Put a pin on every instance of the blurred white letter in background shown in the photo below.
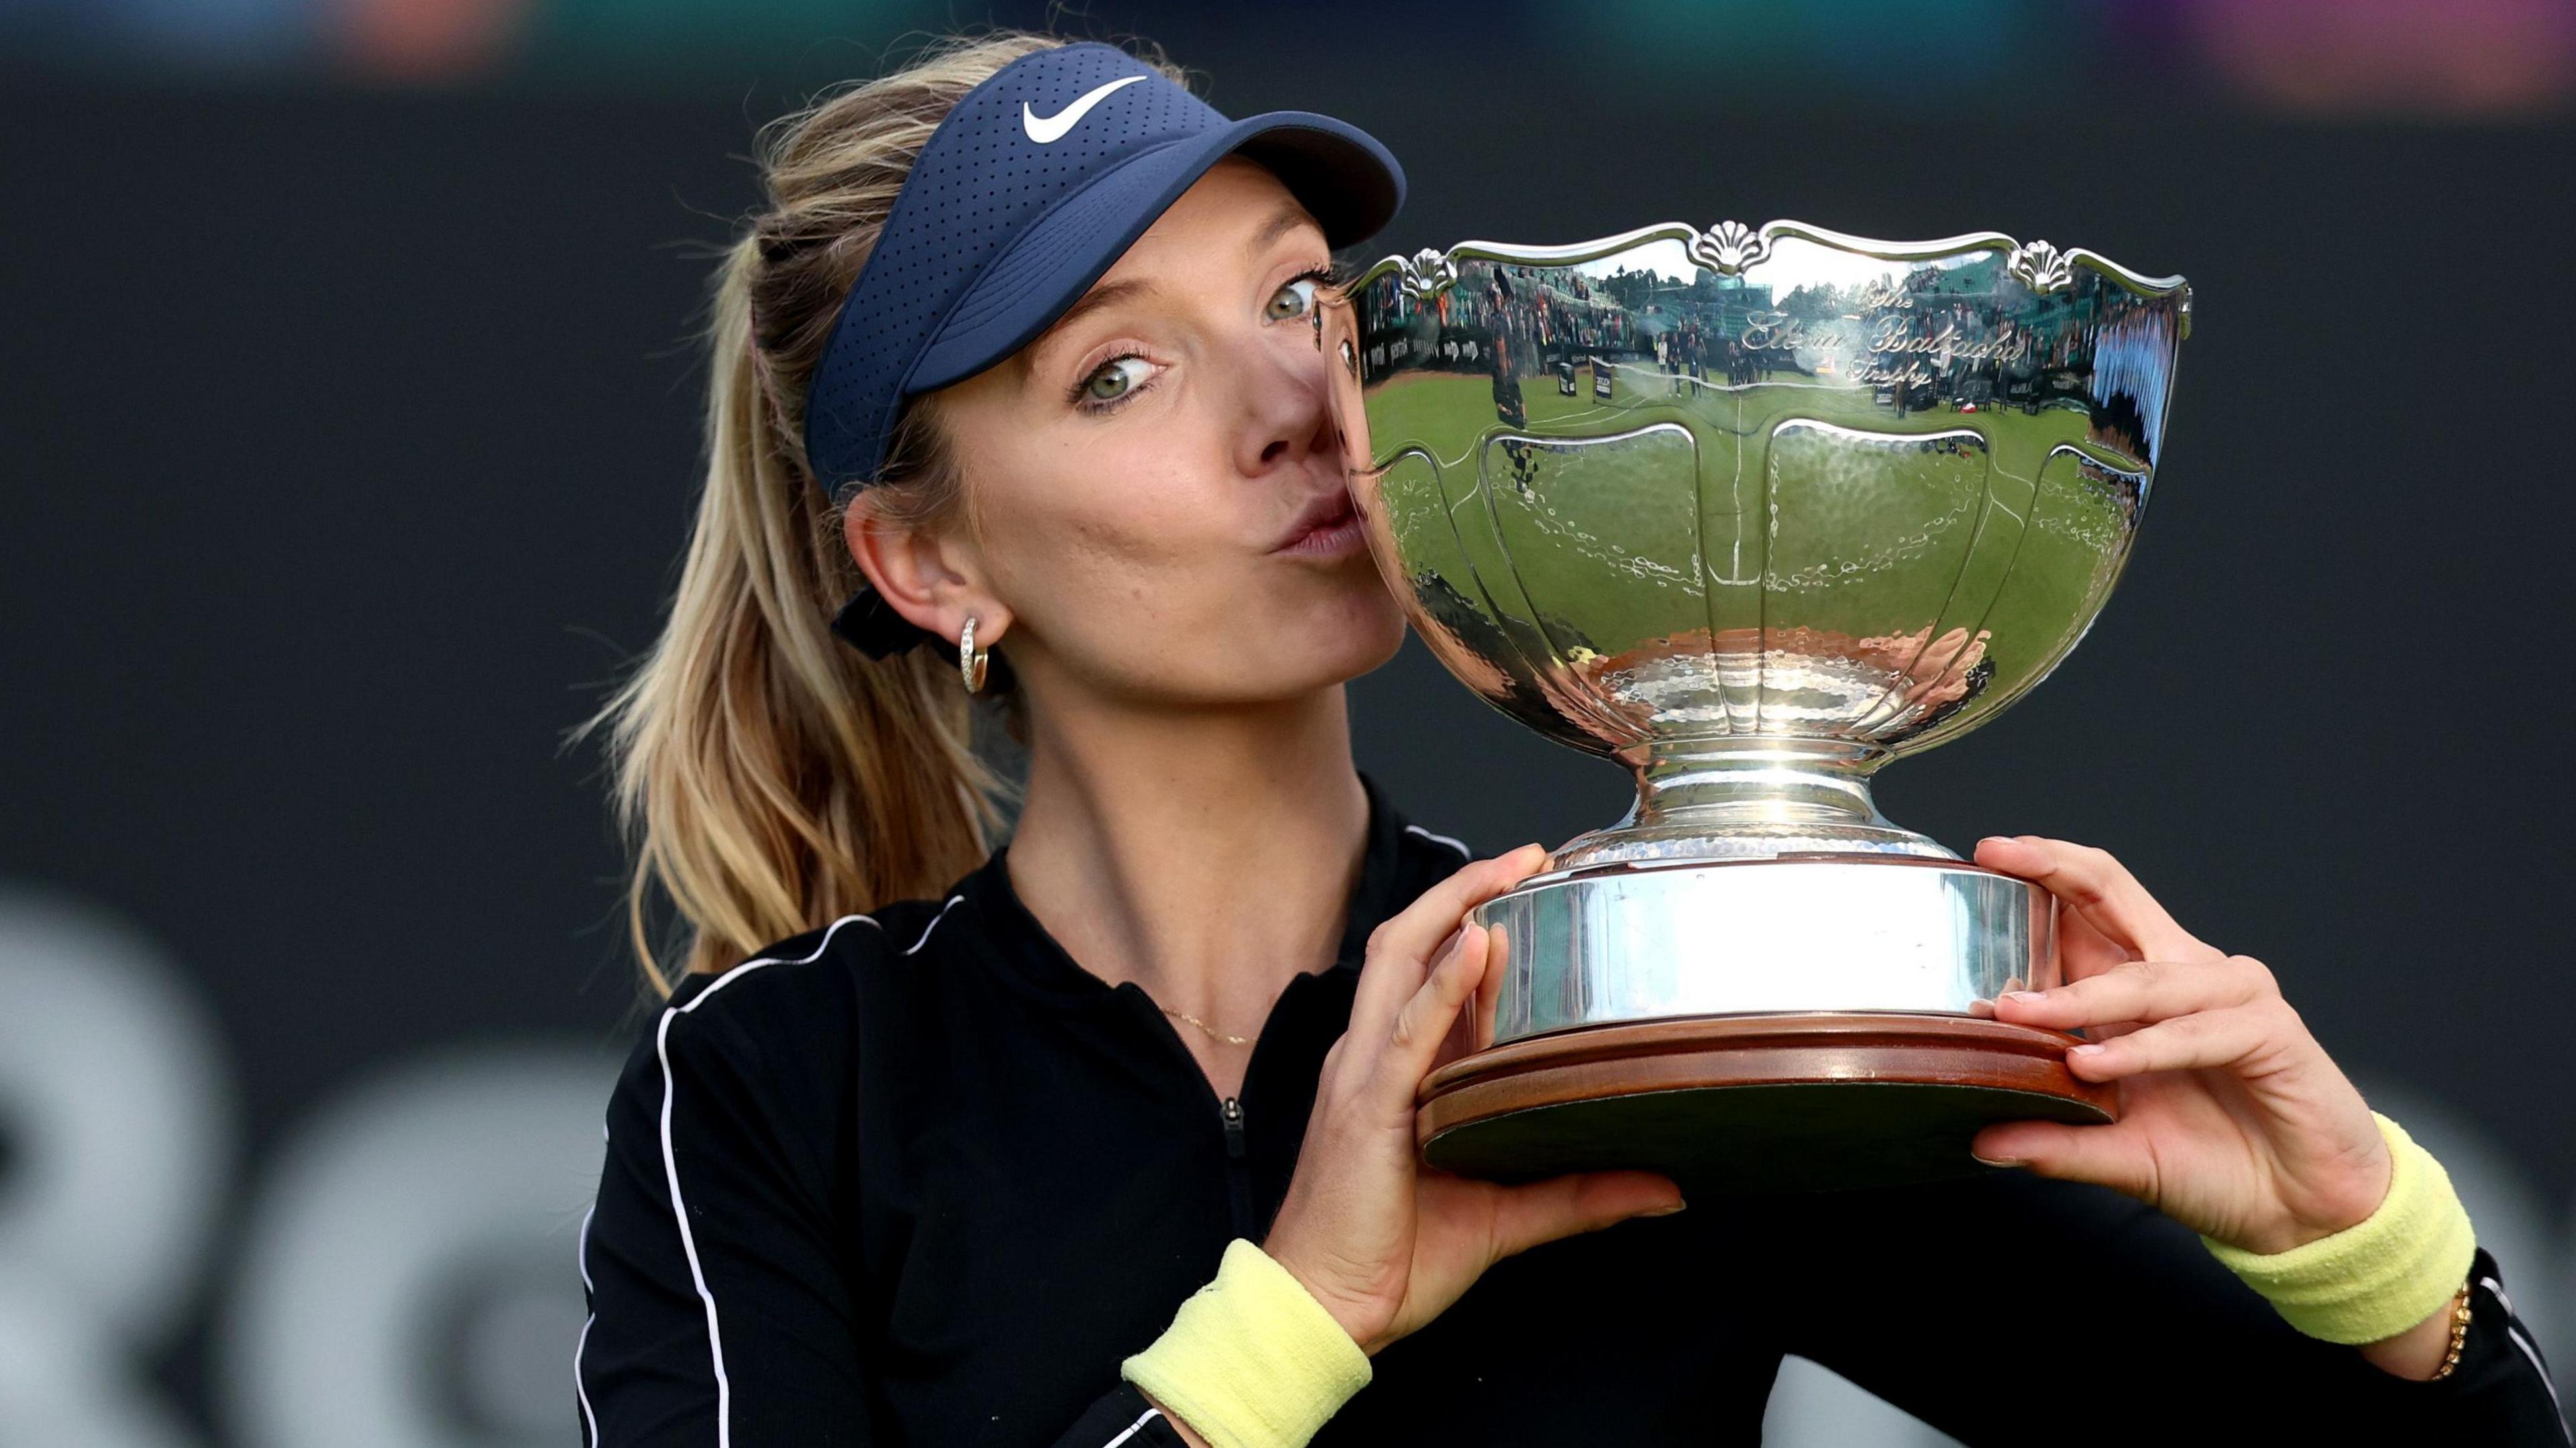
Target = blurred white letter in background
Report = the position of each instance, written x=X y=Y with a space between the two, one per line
x=116 y=1142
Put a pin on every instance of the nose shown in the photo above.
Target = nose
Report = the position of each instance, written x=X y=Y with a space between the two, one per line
x=1284 y=414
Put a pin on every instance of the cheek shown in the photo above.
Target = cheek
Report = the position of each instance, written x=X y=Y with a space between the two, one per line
x=1139 y=558
x=1124 y=537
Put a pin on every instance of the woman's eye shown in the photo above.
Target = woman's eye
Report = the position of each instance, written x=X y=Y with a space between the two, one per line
x=1293 y=299
x=1116 y=378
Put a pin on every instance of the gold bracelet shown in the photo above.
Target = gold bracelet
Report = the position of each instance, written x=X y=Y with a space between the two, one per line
x=2459 y=1334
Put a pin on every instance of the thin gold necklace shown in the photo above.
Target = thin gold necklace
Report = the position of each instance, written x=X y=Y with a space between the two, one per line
x=1204 y=1026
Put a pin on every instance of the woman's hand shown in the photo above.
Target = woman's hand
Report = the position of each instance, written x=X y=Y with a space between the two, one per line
x=2233 y=1120
x=1384 y=1245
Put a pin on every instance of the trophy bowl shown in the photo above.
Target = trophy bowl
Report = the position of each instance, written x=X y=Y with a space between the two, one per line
x=1753 y=511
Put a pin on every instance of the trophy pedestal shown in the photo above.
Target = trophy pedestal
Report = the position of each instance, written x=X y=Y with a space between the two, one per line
x=1769 y=1103
x=1792 y=1023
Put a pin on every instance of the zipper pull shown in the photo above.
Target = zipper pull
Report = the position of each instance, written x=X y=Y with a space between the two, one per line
x=1234 y=1148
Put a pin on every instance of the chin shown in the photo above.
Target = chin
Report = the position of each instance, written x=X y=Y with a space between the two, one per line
x=1319 y=647
x=1366 y=637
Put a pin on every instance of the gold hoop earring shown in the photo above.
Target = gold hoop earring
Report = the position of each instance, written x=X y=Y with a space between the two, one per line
x=970 y=659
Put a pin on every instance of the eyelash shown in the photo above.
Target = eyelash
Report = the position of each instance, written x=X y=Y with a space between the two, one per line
x=1328 y=277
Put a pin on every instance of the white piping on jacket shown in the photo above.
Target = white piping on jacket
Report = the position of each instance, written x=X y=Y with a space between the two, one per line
x=581 y=1259
x=671 y=1163
x=1452 y=842
x=1133 y=1428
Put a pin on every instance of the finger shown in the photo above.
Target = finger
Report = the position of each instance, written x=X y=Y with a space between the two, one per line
x=2083 y=950
x=1415 y=929
x=1401 y=947
x=1425 y=1020
x=2139 y=990
x=2104 y=1155
x=1474 y=1025
x=2210 y=1040
x=1525 y=1216
x=2098 y=887
x=1488 y=999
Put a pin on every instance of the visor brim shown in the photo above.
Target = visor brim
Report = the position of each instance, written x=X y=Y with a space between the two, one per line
x=1338 y=172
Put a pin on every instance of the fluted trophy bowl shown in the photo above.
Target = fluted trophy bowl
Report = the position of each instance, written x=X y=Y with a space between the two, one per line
x=1753 y=511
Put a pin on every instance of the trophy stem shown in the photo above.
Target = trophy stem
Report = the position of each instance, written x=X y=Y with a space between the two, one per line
x=1749 y=798
x=1727 y=780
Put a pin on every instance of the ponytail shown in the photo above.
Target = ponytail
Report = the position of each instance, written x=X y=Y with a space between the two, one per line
x=771 y=777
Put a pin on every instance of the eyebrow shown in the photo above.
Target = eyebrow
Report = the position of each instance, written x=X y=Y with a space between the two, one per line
x=1104 y=295
x=1286 y=219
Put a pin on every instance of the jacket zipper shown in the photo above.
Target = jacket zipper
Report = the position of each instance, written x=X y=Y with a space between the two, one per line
x=1238 y=1149
x=1238 y=1167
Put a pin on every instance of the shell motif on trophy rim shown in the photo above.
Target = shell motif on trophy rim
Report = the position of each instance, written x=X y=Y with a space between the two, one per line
x=1753 y=510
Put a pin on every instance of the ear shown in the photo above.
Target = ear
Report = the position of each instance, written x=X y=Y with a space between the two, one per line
x=923 y=576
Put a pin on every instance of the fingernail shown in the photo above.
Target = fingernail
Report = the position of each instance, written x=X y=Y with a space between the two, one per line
x=1665 y=1211
x=2023 y=995
x=1998 y=1160
x=2087 y=1049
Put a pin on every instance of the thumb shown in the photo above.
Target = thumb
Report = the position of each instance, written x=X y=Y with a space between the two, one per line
x=2104 y=1155
x=1525 y=1216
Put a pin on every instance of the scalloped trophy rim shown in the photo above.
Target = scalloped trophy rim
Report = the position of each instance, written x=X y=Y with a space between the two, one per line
x=1733 y=249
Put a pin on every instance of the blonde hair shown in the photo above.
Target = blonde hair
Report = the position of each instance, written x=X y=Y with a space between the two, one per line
x=771 y=777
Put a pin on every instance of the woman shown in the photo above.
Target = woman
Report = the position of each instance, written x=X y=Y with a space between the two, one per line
x=1104 y=1136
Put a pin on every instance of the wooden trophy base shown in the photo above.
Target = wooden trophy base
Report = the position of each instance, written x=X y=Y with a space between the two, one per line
x=1756 y=1103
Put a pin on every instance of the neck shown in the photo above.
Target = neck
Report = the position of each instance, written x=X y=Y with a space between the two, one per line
x=1204 y=855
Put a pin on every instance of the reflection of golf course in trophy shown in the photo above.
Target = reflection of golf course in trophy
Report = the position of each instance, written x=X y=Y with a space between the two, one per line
x=1753 y=512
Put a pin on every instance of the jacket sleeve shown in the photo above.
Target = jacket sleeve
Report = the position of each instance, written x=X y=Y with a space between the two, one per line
x=724 y=1310
x=2012 y=1309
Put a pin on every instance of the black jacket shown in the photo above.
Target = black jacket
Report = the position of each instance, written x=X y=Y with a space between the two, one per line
x=920 y=1178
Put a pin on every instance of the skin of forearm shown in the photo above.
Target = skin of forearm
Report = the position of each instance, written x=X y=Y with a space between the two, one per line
x=2418 y=1351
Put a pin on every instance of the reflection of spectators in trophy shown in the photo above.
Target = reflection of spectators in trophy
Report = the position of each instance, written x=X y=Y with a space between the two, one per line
x=1503 y=351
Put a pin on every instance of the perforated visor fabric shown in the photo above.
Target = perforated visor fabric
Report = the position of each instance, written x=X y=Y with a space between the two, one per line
x=1033 y=186
x=1061 y=254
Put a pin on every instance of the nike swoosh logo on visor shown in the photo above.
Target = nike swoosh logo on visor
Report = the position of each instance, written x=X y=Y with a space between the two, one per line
x=1046 y=129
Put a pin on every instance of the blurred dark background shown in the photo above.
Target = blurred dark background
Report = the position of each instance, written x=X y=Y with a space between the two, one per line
x=350 y=428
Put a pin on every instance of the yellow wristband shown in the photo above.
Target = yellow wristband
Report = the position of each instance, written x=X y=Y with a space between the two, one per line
x=1251 y=1360
x=2384 y=1273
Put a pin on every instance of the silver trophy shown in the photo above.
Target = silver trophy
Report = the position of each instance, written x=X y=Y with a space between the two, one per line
x=1753 y=511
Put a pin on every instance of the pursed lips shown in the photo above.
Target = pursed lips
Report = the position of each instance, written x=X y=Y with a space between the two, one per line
x=1329 y=510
